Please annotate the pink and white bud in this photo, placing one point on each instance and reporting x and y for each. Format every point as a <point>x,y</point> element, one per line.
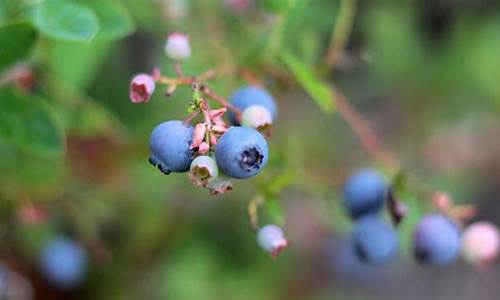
<point>256,116</point>
<point>203,170</point>
<point>272,239</point>
<point>198,135</point>
<point>142,87</point>
<point>480,243</point>
<point>442,201</point>
<point>203,148</point>
<point>177,46</point>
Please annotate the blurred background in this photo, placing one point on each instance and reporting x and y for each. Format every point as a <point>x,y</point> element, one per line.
<point>74,149</point>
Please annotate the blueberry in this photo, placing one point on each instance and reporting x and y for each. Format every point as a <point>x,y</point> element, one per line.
<point>169,144</point>
<point>436,240</point>
<point>374,241</point>
<point>252,95</point>
<point>64,262</point>
<point>364,193</point>
<point>203,170</point>
<point>242,152</point>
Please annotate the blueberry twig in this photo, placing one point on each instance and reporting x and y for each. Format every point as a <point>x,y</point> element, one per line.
<point>341,31</point>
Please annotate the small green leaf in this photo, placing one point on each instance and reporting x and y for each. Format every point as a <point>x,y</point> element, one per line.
<point>29,123</point>
<point>114,19</point>
<point>318,90</point>
<point>275,211</point>
<point>16,41</point>
<point>66,21</point>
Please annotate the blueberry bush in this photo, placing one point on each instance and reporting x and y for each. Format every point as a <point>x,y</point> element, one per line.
<point>249,149</point>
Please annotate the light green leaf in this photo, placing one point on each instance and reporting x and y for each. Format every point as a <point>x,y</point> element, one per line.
<point>114,19</point>
<point>66,21</point>
<point>318,90</point>
<point>29,123</point>
<point>16,41</point>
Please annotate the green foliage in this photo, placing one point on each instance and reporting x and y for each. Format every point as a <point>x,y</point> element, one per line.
<point>65,20</point>
<point>319,91</point>
<point>114,19</point>
<point>16,41</point>
<point>30,124</point>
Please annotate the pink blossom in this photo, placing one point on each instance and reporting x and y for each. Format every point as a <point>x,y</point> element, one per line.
<point>198,135</point>
<point>142,87</point>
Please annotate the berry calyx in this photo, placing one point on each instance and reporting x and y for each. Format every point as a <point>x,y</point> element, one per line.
<point>203,170</point>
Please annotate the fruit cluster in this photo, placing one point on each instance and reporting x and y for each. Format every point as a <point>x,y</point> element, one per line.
<point>211,151</point>
<point>437,238</point>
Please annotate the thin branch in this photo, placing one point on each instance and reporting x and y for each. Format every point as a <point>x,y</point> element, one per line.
<point>218,98</point>
<point>362,129</point>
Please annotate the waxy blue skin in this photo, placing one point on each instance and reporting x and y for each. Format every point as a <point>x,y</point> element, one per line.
<point>242,152</point>
<point>374,240</point>
<point>364,193</point>
<point>436,240</point>
<point>64,263</point>
<point>252,95</point>
<point>169,145</point>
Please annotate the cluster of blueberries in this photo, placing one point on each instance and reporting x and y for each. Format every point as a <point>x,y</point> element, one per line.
<point>241,151</point>
<point>436,238</point>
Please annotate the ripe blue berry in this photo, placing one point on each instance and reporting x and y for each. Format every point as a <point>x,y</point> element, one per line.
<point>364,193</point>
<point>169,144</point>
<point>436,240</point>
<point>242,152</point>
<point>252,95</point>
<point>374,241</point>
<point>64,262</point>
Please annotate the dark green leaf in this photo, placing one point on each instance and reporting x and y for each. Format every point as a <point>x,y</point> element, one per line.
<point>16,41</point>
<point>29,123</point>
<point>318,90</point>
<point>66,21</point>
<point>114,20</point>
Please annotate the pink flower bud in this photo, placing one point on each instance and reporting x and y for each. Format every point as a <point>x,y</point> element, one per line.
<point>203,148</point>
<point>256,116</point>
<point>480,243</point>
<point>215,113</point>
<point>442,201</point>
<point>142,87</point>
<point>198,135</point>
<point>177,46</point>
<point>271,238</point>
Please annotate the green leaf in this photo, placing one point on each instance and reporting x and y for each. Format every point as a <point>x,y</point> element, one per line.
<point>318,90</point>
<point>66,21</point>
<point>114,19</point>
<point>29,123</point>
<point>275,211</point>
<point>16,41</point>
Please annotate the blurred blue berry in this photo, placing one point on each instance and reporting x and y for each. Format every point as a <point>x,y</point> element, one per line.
<point>242,152</point>
<point>169,145</point>
<point>374,241</point>
<point>253,95</point>
<point>364,193</point>
<point>272,239</point>
<point>64,263</point>
<point>436,240</point>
